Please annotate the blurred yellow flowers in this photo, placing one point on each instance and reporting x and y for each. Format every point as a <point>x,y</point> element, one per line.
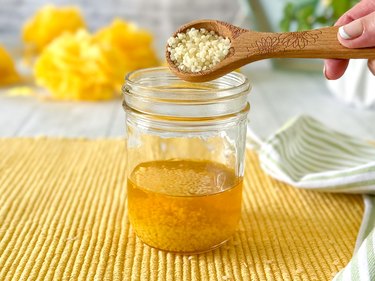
<point>134,44</point>
<point>73,64</point>
<point>8,73</point>
<point>76,67</point>
<point>81,66</point>
<point>48,23</point>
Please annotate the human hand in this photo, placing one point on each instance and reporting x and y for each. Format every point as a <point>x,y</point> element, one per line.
<point>357,30</point>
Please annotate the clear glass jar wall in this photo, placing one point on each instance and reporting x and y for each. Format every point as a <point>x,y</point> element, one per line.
<point>185,149</point>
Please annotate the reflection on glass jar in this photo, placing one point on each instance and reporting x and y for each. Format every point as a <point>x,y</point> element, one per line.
<point>185,149</point>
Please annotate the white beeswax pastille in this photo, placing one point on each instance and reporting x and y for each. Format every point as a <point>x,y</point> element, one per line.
<point>197,49</point>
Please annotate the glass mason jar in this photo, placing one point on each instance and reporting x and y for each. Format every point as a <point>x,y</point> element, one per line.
<point>185,158</point>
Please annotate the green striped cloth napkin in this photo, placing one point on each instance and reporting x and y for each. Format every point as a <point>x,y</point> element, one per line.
<point>307,154</point>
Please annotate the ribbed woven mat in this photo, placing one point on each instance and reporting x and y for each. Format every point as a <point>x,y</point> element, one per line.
<point>63,217</point>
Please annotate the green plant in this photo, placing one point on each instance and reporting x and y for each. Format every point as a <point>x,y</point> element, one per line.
<point>308,14</point>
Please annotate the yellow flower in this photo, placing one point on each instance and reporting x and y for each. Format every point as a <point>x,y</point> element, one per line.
<point>75,67</point>
<point>134,44</point>
<point>81,66</point>
<point>48,23</point>
<point>8,73</point>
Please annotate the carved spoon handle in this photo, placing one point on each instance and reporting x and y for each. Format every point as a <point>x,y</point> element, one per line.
<point>317,43</point>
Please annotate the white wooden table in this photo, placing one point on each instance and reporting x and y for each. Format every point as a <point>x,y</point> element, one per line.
<point>276,97</point>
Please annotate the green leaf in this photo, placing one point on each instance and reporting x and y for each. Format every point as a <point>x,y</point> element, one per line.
<point>304,26</point>
<point>285,25</point>
<point>305,17</point>
<point>288,17</point>
<point>305,14</point>
<point>289,10</point>
<point>341,6</point>
<point>321,19</point>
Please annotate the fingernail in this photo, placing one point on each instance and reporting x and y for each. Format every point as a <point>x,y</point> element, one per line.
<point>351,30</point>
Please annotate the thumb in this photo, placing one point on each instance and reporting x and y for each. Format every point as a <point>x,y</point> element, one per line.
<point>359,33</point>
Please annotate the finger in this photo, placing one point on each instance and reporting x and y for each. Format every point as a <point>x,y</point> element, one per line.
<point>371,66</point>
<point>359,33</point>
<point>334,68</point>
<point>359,10</point>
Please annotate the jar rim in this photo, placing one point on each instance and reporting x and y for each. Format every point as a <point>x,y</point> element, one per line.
<point>239,80</point>
<point>160,92</point>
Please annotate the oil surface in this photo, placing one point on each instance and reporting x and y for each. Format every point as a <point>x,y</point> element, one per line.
<point>184,205</point>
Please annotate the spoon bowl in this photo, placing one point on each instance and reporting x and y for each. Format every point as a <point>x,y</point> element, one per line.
<point>221,28</point>
<point>248,46</point>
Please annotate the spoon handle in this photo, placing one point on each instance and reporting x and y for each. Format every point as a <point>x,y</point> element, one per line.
<point>316,43</point>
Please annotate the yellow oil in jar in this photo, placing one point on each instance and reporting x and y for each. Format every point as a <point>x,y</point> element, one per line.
<point>184,205</point>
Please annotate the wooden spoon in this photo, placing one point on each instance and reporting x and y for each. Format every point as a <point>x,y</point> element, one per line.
<point>248,46</point>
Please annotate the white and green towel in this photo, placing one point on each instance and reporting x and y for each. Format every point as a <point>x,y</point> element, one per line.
<point>307,154</point>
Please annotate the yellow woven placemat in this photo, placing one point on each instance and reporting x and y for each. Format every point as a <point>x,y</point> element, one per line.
<point>63,217</point>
